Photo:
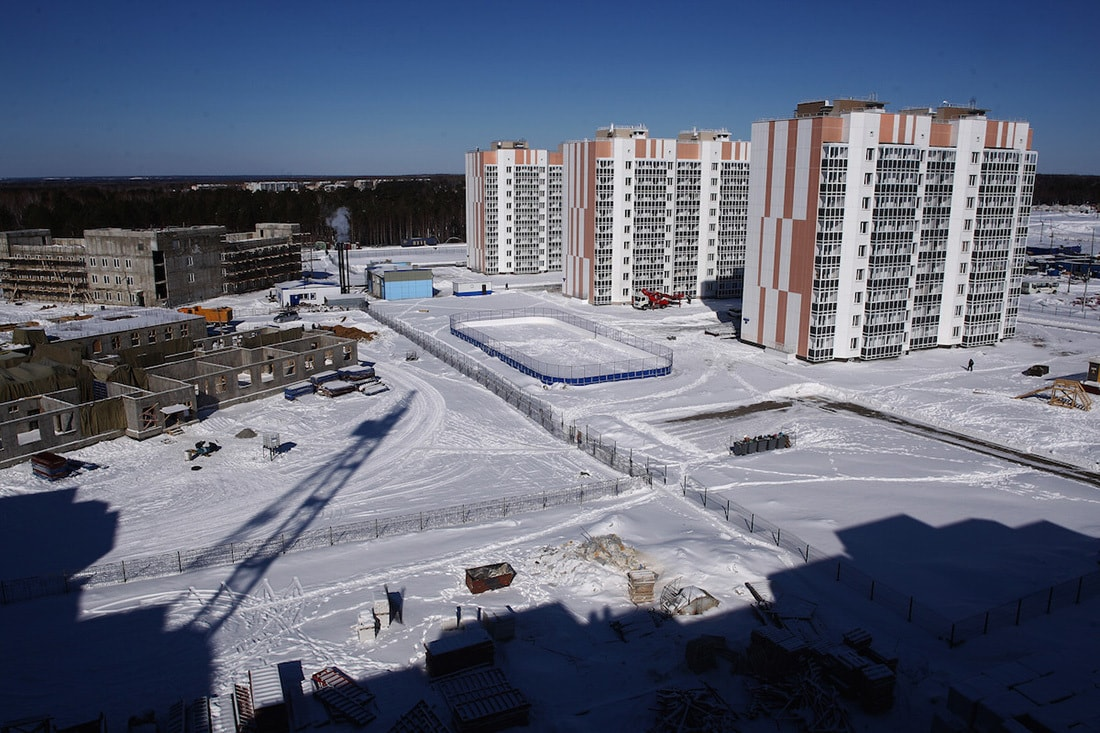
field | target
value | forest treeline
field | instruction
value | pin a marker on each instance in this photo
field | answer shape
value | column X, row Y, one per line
column 391, row 212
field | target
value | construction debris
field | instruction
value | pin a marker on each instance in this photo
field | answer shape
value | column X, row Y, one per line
column 1064, row 393
column 349, row 332
column 609, row 549
column 688, row 600
column 641, row 584
column 804, row 698
column 692, row 711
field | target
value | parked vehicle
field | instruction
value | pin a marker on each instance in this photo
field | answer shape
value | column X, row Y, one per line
column 286, row 316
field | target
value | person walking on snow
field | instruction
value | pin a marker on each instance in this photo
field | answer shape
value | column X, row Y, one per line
column 970, row 365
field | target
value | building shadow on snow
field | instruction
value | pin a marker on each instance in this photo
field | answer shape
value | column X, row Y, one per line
column 60, row 656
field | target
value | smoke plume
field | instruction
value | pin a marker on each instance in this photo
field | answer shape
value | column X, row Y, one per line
column 341, row 224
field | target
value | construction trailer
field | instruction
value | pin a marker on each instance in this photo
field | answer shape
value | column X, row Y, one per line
column 220, row 315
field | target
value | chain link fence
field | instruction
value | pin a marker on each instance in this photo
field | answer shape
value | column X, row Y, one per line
column 260, row 550
column 1039, row 603
column 625, row 461
column 658, row 364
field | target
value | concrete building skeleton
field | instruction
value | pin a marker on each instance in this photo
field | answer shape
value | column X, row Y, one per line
column 168, row 267
column 872, row 233
column 193, row 374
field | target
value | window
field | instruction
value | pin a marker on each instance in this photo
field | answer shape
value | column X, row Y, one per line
column 866, row 202
column 968, row 224
column 868, row 178
column 626, row 276
column 116, row 262
column 870, row 153
column 190, row 277
column 966, row 246
column 855, row 343
column 855, row 320
column 961, row 289
column 973, row 180
column 626, row 260
column 859, row 274
column 129, row 263
column 863, row 227
column 955, row 332
column 962, row 268
column 309, row 363
column 958, row 310
column 970, row 202
column 190, row 261
column 858, row 297
column 862, row 251
column 129, row 280
column 974, row 157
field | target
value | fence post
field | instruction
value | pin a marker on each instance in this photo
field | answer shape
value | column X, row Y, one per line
column 421, row 521
column 951, row 641
column 752, row 528
column 778, row 534
column 123, row 563
column 838, row 580
column 908, row 616
column 375, row 529
column 985, row 626
column 331, row 539
column 704, row 497
column 807, row 552
column 727, row 510
column 179, row 560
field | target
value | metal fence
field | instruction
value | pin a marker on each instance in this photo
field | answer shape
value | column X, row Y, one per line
column 553, row 421
column 1039, row 603
column 659, row 364
column 182, row 561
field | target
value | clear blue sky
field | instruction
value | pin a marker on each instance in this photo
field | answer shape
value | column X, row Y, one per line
column 390, row 86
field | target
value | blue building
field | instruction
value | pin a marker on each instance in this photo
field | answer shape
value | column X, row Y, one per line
column 399, row 282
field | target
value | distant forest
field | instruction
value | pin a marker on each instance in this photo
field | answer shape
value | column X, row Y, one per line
column 393, row 211
column 388, row 214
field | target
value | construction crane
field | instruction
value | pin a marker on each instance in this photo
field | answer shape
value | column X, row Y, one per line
column 653, row 299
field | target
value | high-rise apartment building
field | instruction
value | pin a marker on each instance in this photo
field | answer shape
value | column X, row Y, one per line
column 513, row 209
column 872, row 233
column 668, row 215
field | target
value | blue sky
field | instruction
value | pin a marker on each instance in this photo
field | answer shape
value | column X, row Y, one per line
column 376, row 88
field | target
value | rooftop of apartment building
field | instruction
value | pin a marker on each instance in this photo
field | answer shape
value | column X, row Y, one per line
column 837, row 107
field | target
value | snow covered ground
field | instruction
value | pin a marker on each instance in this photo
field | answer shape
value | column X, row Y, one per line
column 959, row 530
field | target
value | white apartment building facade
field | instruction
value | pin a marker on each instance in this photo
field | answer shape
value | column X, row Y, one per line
column 873, row 233
column 513, row 209
column 668, row 215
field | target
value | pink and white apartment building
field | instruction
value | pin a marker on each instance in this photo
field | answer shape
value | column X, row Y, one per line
column 662, row 214
column 513, row 209
column 872, row 233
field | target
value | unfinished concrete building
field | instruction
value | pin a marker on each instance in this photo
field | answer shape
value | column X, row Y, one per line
column 256, row 260
column 166, row 267
column 138, row 372
column 147, row 267
column 35, row 267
